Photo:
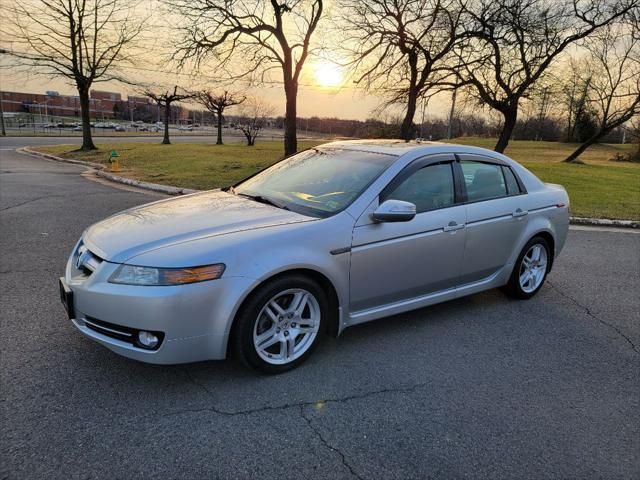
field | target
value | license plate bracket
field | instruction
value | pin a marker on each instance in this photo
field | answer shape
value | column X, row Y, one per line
column 66, row 297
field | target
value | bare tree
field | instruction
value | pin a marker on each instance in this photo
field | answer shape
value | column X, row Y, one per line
column 165, row 100
column 401, row 47
column 613, row 93
column 262, row 35
column 254, row 114
column 514, row 42
column 84, row 41
column 573, row 81
column 217, row 104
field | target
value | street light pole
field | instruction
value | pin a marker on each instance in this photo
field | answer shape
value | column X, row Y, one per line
column 451, row 113
column 4, row 132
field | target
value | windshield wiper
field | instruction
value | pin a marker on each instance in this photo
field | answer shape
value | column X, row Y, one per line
column 265, row 200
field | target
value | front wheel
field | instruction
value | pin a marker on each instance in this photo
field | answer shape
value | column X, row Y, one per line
column 280, row 324
column 530, row 270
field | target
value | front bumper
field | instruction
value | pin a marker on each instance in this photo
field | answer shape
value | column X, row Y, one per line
column 194, row 319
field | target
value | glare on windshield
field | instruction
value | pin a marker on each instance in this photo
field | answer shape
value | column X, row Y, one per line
column 318, row 181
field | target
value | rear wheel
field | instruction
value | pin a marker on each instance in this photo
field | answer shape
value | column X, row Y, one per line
column 280, row 324
column 530, row 270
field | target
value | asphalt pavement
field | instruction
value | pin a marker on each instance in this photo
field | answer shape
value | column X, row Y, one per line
column 481, row 387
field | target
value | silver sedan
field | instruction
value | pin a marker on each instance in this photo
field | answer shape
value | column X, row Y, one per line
column 337, row 235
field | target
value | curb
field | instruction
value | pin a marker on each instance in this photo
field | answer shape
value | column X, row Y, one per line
column 170, row 190
column 604, row 222
column 99, row 170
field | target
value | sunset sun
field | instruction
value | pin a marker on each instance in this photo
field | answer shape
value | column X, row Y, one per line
column 327, row 74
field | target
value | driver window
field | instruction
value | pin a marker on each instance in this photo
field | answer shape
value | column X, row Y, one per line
column 429, row 188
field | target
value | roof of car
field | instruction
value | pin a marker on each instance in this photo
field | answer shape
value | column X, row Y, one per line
column 400, row 147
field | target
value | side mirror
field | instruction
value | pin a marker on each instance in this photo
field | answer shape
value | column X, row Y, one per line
column 394, row 211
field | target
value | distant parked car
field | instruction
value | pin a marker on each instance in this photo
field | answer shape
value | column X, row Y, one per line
column 332, row 237
column 77, row 128
column 186, row 128
column 120, row 128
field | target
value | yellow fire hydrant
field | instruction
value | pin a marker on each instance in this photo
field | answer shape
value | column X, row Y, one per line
column 113, row 158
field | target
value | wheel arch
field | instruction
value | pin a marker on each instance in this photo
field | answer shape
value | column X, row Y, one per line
column 548, row 237
column 332, row 326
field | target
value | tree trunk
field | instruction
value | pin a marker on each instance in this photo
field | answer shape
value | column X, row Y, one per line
column 290, row 118
column 406, row 130
column 573, row 158
column 167, row 114
column 219, row 115
column 510, row 119
column 635, row 157
column 85, row 112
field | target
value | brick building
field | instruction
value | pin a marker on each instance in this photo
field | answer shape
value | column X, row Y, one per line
column 53, row 104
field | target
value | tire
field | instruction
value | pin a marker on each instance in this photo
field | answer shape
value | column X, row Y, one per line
column 530, row 270
column 280, row 324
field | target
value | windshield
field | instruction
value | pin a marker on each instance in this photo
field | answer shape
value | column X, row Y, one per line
column 317, row 182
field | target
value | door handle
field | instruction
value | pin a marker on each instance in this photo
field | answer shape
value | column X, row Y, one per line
column 453, row 226
column 520, row 213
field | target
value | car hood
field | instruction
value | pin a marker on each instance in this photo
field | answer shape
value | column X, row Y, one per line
column 177, row 220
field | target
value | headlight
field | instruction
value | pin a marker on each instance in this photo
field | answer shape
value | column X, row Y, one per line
column 133, row 275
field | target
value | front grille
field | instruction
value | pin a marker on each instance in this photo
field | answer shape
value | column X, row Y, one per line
column 125, row 334
column 85, row 261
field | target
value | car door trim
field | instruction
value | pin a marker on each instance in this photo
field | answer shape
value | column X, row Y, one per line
column 363, row 246
column 393, row 308
column 488, row 219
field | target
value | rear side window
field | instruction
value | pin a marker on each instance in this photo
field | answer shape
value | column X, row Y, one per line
column 429, row 188
column 484, row 181
column 512, row 184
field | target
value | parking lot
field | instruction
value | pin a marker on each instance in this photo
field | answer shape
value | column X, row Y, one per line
column 481, row 387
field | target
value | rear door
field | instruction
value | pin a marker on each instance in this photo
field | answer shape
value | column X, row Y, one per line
column 395, row 261
column 496, row 215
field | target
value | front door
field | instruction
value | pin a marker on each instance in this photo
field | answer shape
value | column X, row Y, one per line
column 395, row 261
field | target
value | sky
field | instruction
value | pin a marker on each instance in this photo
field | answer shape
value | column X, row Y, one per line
column 325, row 88
column 315, row 98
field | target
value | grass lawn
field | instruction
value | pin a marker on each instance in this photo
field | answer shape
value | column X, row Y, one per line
column 600, row 188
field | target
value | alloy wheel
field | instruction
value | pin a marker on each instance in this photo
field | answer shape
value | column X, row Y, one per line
column 533, row 268
column 287, row 326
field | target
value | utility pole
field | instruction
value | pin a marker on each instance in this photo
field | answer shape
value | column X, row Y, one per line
column 543, row 111
column 451, row 113
column 424, row 106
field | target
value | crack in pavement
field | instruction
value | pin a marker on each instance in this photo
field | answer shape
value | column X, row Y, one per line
column 324, row 441
column 285, row 406
column 28, row 201
column 592, row 315
column 300, row 405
